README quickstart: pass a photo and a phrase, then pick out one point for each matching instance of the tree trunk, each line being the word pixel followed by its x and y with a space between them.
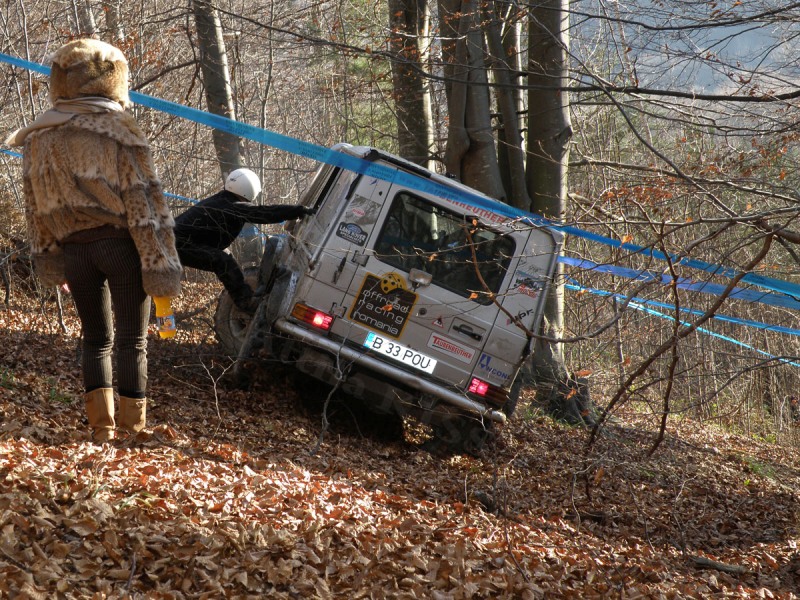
pixel 549 133
pixel 214 65
pixel 409 21
pixel 114 20
pixel 470 155
pixel 549 128
pixel 85 18
pixel 510 152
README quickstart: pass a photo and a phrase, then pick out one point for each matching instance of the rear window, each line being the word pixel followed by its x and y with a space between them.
pixel 463 257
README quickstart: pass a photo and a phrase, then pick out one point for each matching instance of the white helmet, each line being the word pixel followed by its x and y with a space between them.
pixel 244 183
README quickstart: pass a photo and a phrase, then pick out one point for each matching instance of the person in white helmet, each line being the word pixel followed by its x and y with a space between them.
pixel 205 230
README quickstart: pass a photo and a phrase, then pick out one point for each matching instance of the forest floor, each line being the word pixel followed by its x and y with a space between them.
pixel 242 494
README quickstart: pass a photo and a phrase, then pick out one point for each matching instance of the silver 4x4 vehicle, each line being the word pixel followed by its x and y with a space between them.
pixel 409 302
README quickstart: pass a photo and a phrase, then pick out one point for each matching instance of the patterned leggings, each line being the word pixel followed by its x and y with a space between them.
pixel 100 274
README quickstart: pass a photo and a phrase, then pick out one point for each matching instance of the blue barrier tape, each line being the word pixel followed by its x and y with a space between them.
pixel 719 336
pixel 641 307
pixel 693 311
pixel 684 283
pixel 338 159
pixel 463 195
pixel 24 64
pixel 456 194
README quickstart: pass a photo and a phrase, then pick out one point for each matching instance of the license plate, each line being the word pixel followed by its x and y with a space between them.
pixel 399 353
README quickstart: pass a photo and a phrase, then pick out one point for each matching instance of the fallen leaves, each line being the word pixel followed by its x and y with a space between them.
pixel 223 499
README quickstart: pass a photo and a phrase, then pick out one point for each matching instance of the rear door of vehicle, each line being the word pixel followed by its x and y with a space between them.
pixel 344 222
pixel 523 302
pixel 437 329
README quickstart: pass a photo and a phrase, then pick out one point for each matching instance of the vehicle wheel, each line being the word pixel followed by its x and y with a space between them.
pixel 231 323
pixel 465 435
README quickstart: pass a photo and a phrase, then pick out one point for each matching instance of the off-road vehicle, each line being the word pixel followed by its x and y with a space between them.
pixel 408 302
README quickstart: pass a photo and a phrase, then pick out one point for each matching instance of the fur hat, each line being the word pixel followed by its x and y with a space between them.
pixel 88 67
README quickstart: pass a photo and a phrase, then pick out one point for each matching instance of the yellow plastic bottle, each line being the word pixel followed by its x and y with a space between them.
pixel 165 319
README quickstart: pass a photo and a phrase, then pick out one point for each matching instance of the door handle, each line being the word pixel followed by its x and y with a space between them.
pixel 467 330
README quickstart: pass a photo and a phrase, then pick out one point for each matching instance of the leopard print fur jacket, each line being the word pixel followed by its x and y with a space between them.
pixel 95 170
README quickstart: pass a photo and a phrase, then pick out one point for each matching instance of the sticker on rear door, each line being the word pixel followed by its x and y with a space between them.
pixel 493 369
pixel 530 285
pixel 451 347
pixel 383 304
pixel 352 233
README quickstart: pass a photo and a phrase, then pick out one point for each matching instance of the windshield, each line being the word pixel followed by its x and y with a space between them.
pixel 461 255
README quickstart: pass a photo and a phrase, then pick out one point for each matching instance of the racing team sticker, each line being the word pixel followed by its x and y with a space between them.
pixel 383 304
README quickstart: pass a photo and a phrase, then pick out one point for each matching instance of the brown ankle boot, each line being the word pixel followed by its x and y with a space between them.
pixel 132 413
pixel 100 412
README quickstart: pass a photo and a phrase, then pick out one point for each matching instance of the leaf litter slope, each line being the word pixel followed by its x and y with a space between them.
pixel 227 498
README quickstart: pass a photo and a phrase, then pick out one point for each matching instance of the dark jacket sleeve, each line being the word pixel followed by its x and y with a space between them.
pixel 262 215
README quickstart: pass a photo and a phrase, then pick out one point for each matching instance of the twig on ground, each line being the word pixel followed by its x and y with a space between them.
pixel 701 562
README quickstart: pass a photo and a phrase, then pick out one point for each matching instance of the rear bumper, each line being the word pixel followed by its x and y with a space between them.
pixel 364 360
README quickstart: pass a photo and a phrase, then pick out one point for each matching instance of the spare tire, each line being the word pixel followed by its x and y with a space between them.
pixel 230 322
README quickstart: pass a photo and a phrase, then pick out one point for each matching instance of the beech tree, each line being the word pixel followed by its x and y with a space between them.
pixel 549 134
pixel 409 21
pixel 216 79
pixel 470 152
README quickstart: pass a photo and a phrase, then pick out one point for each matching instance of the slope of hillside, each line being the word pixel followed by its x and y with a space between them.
pixel 237 494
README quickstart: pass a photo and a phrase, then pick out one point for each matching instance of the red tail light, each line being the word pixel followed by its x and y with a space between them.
pixel 476 386
pixel 312 316
pixel 492 394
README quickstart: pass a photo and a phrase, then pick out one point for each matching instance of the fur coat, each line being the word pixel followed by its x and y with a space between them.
pixel 94 170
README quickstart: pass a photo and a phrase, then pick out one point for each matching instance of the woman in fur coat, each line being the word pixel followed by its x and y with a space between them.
pixel 97 220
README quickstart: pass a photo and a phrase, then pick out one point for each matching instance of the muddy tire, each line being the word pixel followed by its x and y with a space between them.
pixel 466 435
pixel 231 323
